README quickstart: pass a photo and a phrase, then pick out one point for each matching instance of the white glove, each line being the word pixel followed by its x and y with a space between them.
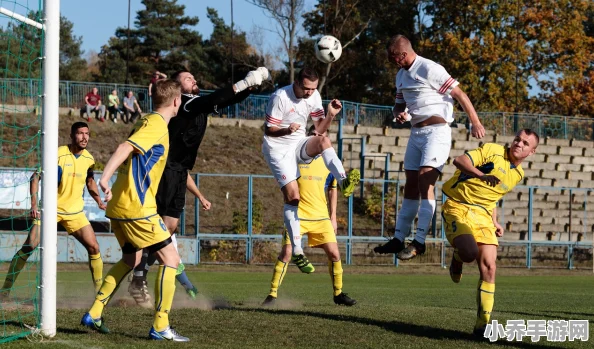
pixel 252 78
pixel 264 72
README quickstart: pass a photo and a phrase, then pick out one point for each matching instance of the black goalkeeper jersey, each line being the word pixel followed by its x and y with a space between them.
pixel 187 129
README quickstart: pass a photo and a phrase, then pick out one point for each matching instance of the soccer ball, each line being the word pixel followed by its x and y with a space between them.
pixel 328 49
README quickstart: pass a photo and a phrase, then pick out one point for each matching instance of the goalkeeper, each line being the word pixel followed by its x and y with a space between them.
pixel 185 135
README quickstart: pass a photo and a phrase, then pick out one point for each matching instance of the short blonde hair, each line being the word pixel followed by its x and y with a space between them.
pixel 164 91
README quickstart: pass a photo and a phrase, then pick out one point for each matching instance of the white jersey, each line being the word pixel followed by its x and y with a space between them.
pixel 425 88
pixel 284 109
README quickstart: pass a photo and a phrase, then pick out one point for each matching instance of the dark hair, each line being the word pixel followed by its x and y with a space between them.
pixel 530 132
pixel 76 126
pixel 307 73
pixel 175 76
pixel 311 130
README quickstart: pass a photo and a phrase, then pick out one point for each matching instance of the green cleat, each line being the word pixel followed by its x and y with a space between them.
pixel 303 264
pixel 192 292
pixel 349 183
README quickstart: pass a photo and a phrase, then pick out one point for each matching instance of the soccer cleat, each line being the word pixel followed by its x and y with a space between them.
pixel 456 270
pixel 344 299
pixel 413 249
pixel 168 334
pixel 94 324
pixel 350 182
pixel 139 291
pixel 392 246
pixel 269 301
pixel 192 292
pixel 303 264
pixel 479 333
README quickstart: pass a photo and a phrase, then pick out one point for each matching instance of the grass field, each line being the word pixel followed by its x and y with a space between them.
pixel 398 308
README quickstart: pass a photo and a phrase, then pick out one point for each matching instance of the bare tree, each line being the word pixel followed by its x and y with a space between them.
pixel 286 14
pixel 345 28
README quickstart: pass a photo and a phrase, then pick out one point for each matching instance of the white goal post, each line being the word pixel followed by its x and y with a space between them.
pixel 49 148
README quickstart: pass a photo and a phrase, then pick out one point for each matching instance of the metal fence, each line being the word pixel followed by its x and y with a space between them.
pixel 72 94
pixel 557 236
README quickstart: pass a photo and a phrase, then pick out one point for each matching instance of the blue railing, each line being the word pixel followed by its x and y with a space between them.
pixel 72 93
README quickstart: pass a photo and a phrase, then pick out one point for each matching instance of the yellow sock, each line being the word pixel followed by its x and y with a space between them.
pixel 485 297
pixel 335 269
pixel 164 291
pixel 16 265
pixel 280 269
pixel 112 280
pixel 96 266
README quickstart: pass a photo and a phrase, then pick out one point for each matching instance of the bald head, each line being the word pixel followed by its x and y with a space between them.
pixel 400 51
pixel 399 43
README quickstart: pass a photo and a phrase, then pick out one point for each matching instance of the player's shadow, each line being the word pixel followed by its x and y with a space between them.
pixel 554 316
pixel 401 327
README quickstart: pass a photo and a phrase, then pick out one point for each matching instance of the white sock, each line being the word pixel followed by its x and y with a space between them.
pixel 174 242
pixel 426 212
pixel 293 228
pixel 406 217
pixel 334 164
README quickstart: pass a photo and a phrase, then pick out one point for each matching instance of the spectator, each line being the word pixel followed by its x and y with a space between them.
pixel 157 75
pixel 93 103
pixel 114 106
pixel 131 108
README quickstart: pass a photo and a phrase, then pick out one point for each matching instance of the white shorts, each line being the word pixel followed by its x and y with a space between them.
pixel 284 162
pixel 428 146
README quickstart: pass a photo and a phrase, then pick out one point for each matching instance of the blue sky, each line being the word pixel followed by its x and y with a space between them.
pixel 97 23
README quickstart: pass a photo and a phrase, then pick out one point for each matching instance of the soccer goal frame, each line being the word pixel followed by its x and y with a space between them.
pixel 49 151
pixel 50 59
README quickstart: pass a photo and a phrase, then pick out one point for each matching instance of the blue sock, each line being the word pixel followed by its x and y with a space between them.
pixel 184 281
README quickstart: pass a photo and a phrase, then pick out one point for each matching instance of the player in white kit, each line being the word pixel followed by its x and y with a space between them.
pixel 428 91
pixel 285 145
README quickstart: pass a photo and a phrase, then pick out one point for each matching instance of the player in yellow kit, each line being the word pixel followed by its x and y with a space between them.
pixel 75 171
pixel 133 211
pixel 318 222
pixel 483 177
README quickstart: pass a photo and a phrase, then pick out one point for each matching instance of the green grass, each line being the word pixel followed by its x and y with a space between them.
pixel 397 308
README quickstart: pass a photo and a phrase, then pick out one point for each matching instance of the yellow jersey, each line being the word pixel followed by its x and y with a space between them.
pixel 315 180
pixel 138 177
pixel 490 159
pixel 73 171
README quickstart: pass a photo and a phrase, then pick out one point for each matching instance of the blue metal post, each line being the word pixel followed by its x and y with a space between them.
pixel 197 220
pixel 182 231
pixel 339 140
pixel 248 250
pixel 570 257
pixel 362 167
pixel 349 246
pixel 565 127
pixel 197 206
pixel 68 97
pixel 443 236
pixel 530 220
pixel 387 171
pixel 357 105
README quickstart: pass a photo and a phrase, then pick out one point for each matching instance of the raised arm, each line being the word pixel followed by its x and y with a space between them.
pixel 465 165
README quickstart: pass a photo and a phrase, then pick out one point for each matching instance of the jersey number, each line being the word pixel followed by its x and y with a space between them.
pixel 454 227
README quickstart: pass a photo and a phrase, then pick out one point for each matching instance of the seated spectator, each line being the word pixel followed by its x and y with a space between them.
pixel 114 106
pixel 131 108
pixel 93 103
